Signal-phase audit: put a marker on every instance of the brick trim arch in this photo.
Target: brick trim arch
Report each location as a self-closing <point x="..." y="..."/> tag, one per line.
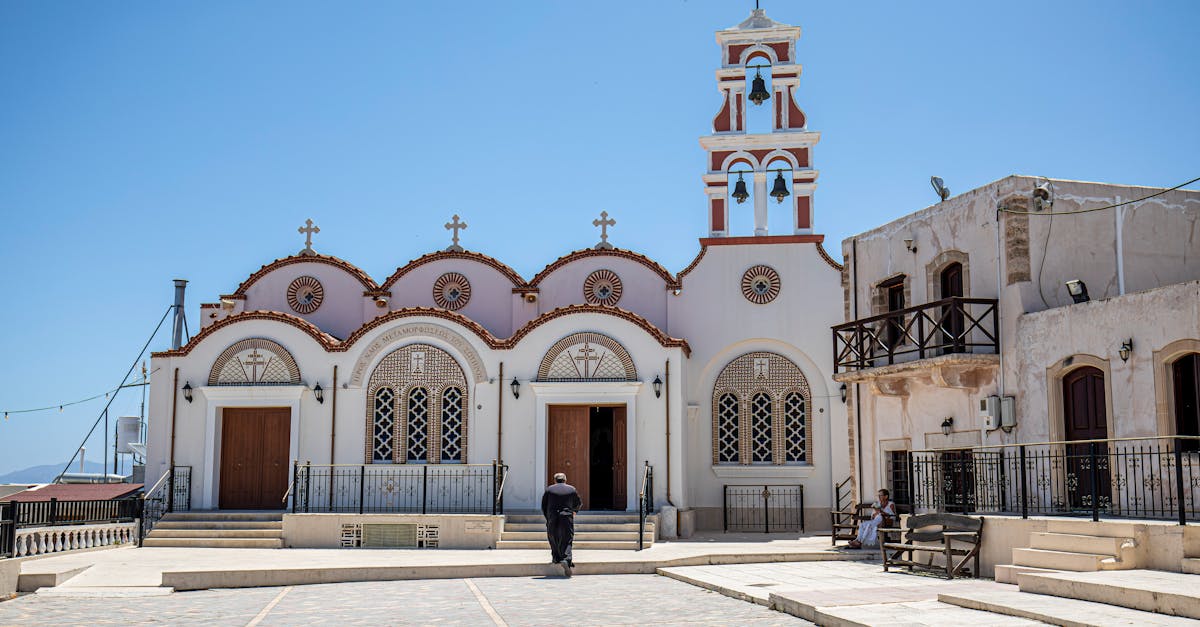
<point x="590" y="337"/>
<point x="367" y="282"/>
<point x="218" y="376"/>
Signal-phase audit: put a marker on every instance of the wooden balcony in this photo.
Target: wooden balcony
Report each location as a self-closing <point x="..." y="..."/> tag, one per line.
<point x="951" y="326"/>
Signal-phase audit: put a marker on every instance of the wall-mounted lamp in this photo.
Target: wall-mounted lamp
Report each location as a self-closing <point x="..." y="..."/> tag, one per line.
<point x="657" y="387"/>
<point x="319" y="393"/>
<point x="187" y="392"/>
<point x="1078" y="291"/>
<point x="843" y="392"/>
<point x="1126" y="349"/>
<point x="515" y="386"/>
<point x="910" y="244"/>
<point x="381" y="302"/>
<point x="947" y="425"/>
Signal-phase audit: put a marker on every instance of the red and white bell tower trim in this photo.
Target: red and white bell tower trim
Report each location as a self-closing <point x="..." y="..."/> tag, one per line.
<point x="759" y="40"/>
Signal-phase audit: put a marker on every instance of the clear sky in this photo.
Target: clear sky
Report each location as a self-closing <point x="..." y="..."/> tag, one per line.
<point x="144" y="141"/>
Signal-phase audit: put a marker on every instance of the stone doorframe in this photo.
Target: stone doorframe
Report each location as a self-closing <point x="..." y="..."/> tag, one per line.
<point x="1164" y="382"/>
<point x="1056" y="416"/>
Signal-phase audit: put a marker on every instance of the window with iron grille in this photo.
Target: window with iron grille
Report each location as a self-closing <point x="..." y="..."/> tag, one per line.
<point x="418" y="423"/>
<point x="385" y="421"/>
<point x="727" y="429"/>
<point x="760" y="412"/>
<point x="794" y="416"/>
<point x="898" y="477"/>
<point x="452" y="425"/>
<point x="760" y="428"/>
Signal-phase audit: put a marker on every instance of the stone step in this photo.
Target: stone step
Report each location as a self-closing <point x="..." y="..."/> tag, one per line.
<point x="1173" y="594"/>
<point x="218" y="524"/>
<point x="1056" y="610"/>
<point x="604" y="527"/>
<point x="579" y="546"/>
<point x="1065" y="560"/>
<point x="1078" y="543"/>
<point x="215" y="543"/>
<point x="223" y="515"/>
<point x="1007" y="573"/>
<point x="215" y="533"/>
<point x="1089" y="528"/>
<point x="579" y="537"/>
<point x="1191" y="565"/>
<point x="582" y="517"/>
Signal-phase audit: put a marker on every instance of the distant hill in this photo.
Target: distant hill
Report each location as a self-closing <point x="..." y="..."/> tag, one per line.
<point x="47" y="472"/>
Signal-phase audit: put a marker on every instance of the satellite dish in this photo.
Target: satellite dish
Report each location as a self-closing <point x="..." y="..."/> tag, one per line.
<point x="939" y="186"/>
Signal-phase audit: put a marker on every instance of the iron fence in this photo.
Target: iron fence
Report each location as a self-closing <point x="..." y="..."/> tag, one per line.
<point x="1142" y="478"/>
<point x="645" y="502"/>
<point x="399" y="488"/>
<point x="765" y="508"/>
<point x="950" y="325"/>
<point x="55" y="512"/>
<point x="171" y="493"/>
<point x="8" y="530"/>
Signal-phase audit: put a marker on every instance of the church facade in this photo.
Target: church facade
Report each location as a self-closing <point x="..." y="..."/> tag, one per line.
<point x="602" y="365"/>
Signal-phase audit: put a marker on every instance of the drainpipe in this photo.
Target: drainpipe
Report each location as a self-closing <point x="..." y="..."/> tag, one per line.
<point x="1120" y="249"/>
<point x="177" y="336"/>
<point x="500" y="415"/>
<point x="858" y="436"/>
<point x="174" y="410"/>
<point x="1000" y="323"/>
<point x="333" y="419"/>
<point x="667" y="376"/>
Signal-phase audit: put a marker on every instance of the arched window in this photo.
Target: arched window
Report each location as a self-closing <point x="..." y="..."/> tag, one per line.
<point x="384" y="424"/>
<point x="760" y="412"/>
<point x="452" y="411"/>
<point x="794" y="417"/>
<point x="727" y="429"/>
<point x="418" y="425"/>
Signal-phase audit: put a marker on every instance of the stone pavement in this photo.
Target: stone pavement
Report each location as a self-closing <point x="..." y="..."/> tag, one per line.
<point x="525" y="601"/>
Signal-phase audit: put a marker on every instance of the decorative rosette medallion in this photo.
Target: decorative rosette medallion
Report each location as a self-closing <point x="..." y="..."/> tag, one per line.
<point x="760" y="284"/>
<point x="602" y="287"/>
<point x="452" y="291"/>
<point x="305" y="294"/>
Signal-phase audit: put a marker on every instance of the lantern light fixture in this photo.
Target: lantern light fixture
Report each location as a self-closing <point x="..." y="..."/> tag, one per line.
<point x="843" y="392"/>
<point x="657" y="387"/>
<point x="187" y="391"/>
<point x="1126" y="349"/>
<point x="319" y="393"/>
<point x="947" y="424"/>
<point x="515" y="386"/>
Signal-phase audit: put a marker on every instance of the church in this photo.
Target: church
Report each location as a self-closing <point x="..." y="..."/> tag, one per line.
<point x="315" y="387"/>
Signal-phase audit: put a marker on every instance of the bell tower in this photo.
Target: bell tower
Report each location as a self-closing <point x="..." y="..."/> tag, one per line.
<point x="781" y="158"/>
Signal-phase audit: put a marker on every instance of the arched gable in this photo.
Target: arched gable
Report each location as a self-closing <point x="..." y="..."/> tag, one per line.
<point x="559" y="263"/>
<point x="587" y="356"/>
<point x="255" y="361"/>
<point x="502" y="268"/>
<point x="367" y="282"/>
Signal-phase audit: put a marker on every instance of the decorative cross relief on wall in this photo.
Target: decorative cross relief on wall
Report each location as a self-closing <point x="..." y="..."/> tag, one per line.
<point x="255" y="362"/>
<point x="587" y="357"/>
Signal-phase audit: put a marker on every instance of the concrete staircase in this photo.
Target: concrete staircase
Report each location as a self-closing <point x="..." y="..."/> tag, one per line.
<point x="1072" y="546"/>
<point x="593" y="530"/>
<point x="216" y="529"/>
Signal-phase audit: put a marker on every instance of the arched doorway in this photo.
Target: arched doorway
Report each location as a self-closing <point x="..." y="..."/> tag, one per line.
<point x="1086" y="418"/>
<point x="1185" y="379"/>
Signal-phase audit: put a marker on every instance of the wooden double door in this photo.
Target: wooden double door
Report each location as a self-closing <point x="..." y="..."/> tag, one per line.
<point x="254" y="457"/>
<point x="587" y="443"/>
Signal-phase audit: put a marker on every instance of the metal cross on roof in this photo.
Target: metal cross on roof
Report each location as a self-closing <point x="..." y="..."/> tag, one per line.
<point x="308" y="229"/>
<point x="455" y="226"/>
<point x="603" y="222"/>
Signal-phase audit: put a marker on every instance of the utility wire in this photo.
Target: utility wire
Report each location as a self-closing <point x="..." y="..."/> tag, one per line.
<point x="79" y="402"/>
<point x="114" y="396"/>
<point x="1120" y="204"/>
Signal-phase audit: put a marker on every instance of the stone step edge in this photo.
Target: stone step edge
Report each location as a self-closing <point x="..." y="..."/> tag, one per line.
<point x="1101" y="558"/>
<point x="1015" y="569"/>
<point x="1038" y="583"/>
<point x="996" y="603"/>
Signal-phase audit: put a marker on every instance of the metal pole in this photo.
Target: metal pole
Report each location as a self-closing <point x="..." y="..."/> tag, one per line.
<point x="295" y="480"/>
<point x="362" y="486"/>
<point x="495" y="478"/>
<point x="1024" y="485"/>
<point x="766" y="494"/>
<point x="424" y="487"/>
<point x="171" y="489"/>
<point x="1095" y="483"/>
<point x="177" y="335"/>
<point x="332" y="435"/>
<point x="307" y="485"/>
<point x="53" y="517"/>
<point x="500" y="414"/>
<point x="1179" y="482"/>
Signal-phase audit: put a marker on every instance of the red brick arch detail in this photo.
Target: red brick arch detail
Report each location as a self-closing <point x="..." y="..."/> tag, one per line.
<point x="500" y="267"/>
<point x="757" y="54"/>
<point x="324" y="339"/>
<point x="367" y="282"/>
<point x="614" y="252"/>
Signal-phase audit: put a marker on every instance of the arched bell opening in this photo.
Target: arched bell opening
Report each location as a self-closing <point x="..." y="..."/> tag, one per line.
<point x="740" y="200"/>
<point x="759" y="94"/>
<point x="780" y="196"/>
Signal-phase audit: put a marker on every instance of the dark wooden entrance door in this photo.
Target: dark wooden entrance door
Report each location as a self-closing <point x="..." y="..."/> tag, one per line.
<point x="1086" y="419"/>
<point x="1185" y="373"/>
<point x="567" y="440"/>
<point x="254" y="457"/>
<point x="620" y="460"/>
<point x="952" y="316"/>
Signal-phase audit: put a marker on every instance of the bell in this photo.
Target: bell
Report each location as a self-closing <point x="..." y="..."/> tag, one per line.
<point x="739" y="191"/>
<point x="779" y="191"/>
<point x="758" y="90"/>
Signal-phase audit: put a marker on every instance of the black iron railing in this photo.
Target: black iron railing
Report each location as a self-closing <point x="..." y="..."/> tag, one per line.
<point x="645" y="502"/>
<point x="1154" y="478"/>
<point x="171" y="493"/>
<point x="765" y="508"/>
<point x="950" y="325"/>
<point x="8" y="530"/>
<point x="399" y="488"/>
<point x="55" y="512"/>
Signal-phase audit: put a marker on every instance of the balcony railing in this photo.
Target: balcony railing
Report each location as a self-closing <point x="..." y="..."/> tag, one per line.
<point x="399" y="488"/>
<point x="1143" y="478"/>
<point x="951" y="325"/>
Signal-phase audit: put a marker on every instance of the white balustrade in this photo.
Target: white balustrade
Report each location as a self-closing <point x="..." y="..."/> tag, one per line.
<point x="41" y="540"/>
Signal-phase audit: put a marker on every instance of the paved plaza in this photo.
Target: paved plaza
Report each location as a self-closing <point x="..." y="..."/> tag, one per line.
<point x="513" y="601"/>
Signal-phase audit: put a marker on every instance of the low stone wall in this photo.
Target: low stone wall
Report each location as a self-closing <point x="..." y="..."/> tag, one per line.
<point x="444" y="531"/>
<point x="42" y="540"/>
<point x="10" y="571"/>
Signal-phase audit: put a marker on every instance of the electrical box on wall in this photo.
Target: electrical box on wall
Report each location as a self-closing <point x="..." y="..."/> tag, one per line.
<point x="989" y="412"/>
<point x="1008" y="413"/>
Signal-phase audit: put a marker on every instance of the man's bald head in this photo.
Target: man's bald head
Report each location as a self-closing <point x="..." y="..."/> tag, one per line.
<point x="560" y="477"/>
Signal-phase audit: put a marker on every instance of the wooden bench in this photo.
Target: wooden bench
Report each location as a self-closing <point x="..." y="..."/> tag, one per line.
<point x="945" y="530"/>
<point x="844" y="523"/>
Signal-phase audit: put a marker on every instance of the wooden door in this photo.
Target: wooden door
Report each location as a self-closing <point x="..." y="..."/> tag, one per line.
<point x="568" y="439"/>
<point x="254" y="457"/>
<point x="952" y="316"/>
<point x="1185" y="374"/>
<point x="620" y="461"/>
<point x="894" y="292"/>
<point x="1086" y="419"/>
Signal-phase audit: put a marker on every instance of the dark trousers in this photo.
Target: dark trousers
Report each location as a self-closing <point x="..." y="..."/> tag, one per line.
<point x="560" y="530"/>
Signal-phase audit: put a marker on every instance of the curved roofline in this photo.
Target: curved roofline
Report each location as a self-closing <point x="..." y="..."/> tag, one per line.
<point x="502" y="268"/>
<point x="829" y="258"/>
<point x="654" y="266"/>
<point x="333" y="345"/>
<point x="367" y="282"/>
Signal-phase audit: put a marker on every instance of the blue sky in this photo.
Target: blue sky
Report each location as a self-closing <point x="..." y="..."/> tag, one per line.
<point x="142" y="141"/>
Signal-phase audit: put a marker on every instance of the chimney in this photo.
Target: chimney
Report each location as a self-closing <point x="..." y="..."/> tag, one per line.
<point x="177" y="337"/>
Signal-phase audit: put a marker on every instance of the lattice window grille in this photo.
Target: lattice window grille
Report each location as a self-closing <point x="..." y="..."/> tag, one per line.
<point x="760" y="428"/>
<point x="794" y="417"/>
<point x="452" y="411"/>
<point x="385" y="421"/>
<point x="418" y="423"/>
<point x="727" y="429"/>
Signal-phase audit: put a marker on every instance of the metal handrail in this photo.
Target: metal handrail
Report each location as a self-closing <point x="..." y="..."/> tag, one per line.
<point x="413" y="464"/>
<point x="1052" y="442"/>
<point x="157" y="485"/>
<point x="643" y="510"/>
<point x="503" y="479"/>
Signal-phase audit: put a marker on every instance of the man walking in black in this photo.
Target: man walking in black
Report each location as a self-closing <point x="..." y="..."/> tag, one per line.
<point x="559" y="504"/>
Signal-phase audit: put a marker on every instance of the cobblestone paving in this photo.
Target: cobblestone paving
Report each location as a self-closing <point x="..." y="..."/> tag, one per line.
<point x="517" y="602"/>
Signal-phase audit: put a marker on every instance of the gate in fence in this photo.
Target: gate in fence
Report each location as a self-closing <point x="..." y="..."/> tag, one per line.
<point x="764" y="508"/>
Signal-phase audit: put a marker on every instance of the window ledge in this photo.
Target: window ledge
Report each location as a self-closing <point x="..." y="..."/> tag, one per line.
<point x="798" y="471"/>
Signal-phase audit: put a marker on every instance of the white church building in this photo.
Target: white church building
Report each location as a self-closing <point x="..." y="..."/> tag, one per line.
<point x="456" y="382"/>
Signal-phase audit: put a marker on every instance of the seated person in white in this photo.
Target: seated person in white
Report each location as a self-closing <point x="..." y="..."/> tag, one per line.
<point x="883" y="515"/>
